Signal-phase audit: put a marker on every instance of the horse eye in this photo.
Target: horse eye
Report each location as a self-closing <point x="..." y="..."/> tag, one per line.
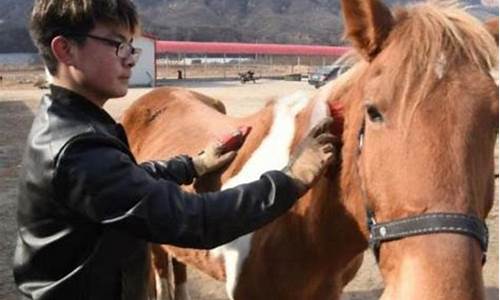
<point x="373" y="114"/>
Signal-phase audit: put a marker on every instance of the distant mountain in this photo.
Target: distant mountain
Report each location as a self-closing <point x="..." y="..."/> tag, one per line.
<point x="261" y="21"/>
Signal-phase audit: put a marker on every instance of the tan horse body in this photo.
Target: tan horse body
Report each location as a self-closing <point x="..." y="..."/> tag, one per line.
<point x="425" y="94"/>
<point x="316" y="240"/>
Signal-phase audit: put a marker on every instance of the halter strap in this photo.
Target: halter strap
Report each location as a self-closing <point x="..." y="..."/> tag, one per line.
<point x="427" y="224"/>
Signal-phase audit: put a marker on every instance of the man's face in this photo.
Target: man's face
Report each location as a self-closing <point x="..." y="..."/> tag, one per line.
<point x="98" y="70"/>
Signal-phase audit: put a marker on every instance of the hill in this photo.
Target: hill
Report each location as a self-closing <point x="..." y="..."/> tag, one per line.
<point x="261" y="21"/>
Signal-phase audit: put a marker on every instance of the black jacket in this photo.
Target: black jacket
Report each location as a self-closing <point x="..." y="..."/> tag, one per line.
<point x="86" y="209"/>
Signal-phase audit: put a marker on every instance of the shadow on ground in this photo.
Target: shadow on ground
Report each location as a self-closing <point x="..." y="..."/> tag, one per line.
<point x="16" y="118"/>
<point x="491" y="294"/>
<point x="207" y="82"/>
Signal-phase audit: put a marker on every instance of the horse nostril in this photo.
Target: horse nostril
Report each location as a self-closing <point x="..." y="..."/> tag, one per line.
<point x="373" y="114"/>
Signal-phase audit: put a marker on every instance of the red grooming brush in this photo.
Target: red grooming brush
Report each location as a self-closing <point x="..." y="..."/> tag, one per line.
<point x="337" y="113"/>
<point x="235" y="139"/>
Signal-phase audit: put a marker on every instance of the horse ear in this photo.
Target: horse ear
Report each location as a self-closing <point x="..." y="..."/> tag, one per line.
<point x="492" y="26"/>
<point x="367" y="25"/>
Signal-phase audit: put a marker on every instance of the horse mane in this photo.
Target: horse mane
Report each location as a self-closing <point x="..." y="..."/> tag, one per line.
<point x="439" y="26"/>
<point x="423" y="34"/>
<point x="438" y="34"/>
<point x="426" y="35"/>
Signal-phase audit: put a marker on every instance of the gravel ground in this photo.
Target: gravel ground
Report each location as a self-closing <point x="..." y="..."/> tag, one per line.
<point x="18" y="102"/>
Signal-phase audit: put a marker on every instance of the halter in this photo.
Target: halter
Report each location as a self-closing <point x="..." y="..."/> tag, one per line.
<point x="428" y="223"/>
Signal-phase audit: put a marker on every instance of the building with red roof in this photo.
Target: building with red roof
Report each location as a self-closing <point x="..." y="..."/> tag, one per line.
<point x="176" y="47"/>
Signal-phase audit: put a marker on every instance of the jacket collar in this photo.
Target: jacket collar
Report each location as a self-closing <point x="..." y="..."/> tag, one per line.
<point x="70" y="98"/>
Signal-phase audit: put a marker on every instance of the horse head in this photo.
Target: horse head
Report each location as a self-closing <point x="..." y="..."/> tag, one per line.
<point x="421" y="110"/>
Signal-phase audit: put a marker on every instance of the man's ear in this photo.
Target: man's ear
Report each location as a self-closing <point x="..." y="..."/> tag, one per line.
<point x="62" y="48"/>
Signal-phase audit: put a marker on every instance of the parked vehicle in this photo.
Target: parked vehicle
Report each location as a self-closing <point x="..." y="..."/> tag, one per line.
<point x="322" y="75"/>
<point x="248" y="76"/>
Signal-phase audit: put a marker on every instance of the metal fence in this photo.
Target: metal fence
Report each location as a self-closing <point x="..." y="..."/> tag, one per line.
<point x="228" y="67"/>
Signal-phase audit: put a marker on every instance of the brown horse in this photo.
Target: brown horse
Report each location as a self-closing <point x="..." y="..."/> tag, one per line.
<point x="420" y="112"/>
<point x="421" y="123"/>
<point x="300" y="248"/>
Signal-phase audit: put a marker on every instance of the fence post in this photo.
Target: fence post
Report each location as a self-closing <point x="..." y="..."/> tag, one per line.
<point x="205" y="64"/>
<point x="224" y="65"/>
<point x="184" y="65"/>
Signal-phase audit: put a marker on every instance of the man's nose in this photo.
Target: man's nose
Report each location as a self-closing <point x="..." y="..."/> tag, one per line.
<point x="130" y="61"/>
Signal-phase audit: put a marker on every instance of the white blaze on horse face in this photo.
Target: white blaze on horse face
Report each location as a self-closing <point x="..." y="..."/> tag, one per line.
<point x="272" y="154"/>
<point x="440" y="66"/>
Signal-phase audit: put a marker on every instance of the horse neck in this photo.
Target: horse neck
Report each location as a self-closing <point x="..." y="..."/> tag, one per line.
<point x="332" y="221"/>
<point x="349" y="197"/>
<point x="435" y="262"/>
<point x="325" y="217"/>
<point x="321" y="215"/>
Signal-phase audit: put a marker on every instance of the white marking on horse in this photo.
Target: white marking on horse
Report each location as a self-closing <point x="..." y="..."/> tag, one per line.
<point x="319" y="112"/>
<point x="494" y="75"/>
<point x="325" y="91"/>
<point x="164" y="285"/>
<point x="440" y="66"/>
<point x="321" y="108"/>
<point x="272" y="154"/>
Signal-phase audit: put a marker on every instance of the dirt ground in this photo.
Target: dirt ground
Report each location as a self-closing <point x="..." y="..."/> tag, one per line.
<point x="18" y="102"/>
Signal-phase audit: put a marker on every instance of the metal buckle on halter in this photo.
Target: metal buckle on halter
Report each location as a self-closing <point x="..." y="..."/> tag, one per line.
<point x="486" y="240"/>
<point x="373" y="243"/>
<point x="361" y="138"/>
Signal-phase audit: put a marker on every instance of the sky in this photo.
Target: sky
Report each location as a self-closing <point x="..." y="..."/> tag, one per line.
<point x="490" y="2"/>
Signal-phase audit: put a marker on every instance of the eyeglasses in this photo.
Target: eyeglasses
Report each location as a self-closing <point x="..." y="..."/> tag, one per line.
<point x="123" y="49"/>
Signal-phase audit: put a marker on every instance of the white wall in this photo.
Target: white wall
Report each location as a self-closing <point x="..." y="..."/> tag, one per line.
<point x="143" y="72"/>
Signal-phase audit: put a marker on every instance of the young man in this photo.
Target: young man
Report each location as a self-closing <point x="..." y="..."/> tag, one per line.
<point x="86" y="209"/>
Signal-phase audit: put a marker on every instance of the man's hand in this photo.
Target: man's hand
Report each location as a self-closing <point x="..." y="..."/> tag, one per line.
<point x="211" y="159"/>
<point x="220" y="153"/>
<point x="309" y="161"/>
